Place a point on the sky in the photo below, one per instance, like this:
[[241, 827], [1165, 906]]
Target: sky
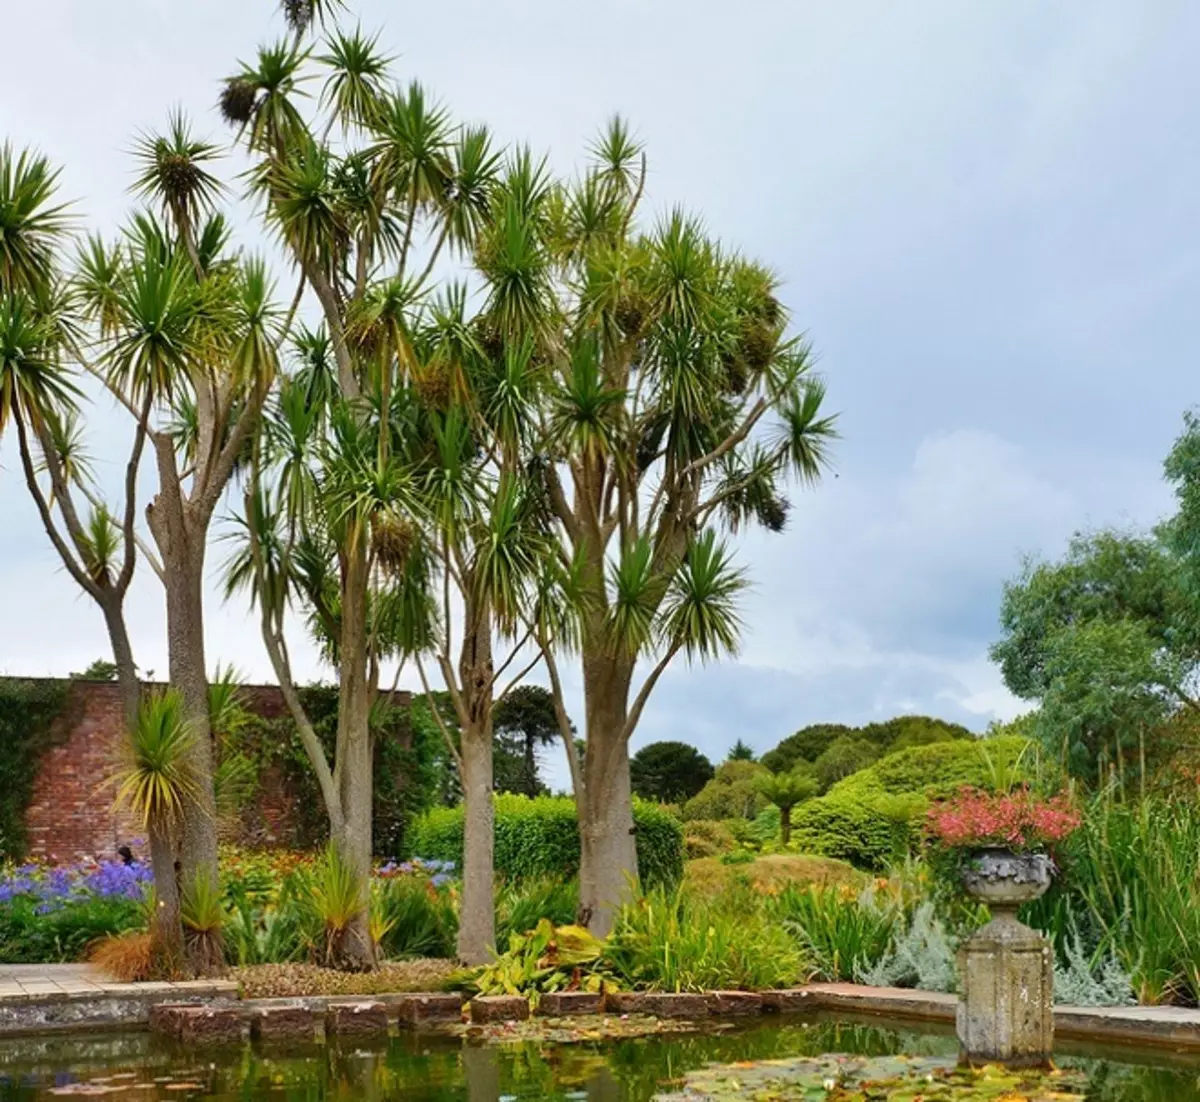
[[985, 220]]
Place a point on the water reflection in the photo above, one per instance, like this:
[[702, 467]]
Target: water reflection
[[413, 1068]]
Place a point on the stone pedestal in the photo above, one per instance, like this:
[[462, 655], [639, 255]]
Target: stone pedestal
[[1006, 1006]]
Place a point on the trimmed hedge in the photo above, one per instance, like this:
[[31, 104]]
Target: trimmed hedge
[[872, 817], [540, 837]]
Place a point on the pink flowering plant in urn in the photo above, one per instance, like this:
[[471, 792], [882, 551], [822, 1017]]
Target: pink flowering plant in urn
[[1004, 843]]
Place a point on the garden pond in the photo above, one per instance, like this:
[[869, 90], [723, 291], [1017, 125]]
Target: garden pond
[[777, 1061]]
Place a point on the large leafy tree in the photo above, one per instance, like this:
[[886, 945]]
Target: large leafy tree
[[676, 408], [178, 329], [670, 772], [390, 501], [1104, 640]]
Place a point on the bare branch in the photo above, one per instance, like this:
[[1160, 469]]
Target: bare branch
[[437, 715], [635, 713]]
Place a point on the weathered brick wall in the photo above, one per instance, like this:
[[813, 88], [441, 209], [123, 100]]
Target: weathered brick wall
[[71, 814]]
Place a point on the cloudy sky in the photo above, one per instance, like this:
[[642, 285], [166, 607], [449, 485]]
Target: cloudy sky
[[985, 217]]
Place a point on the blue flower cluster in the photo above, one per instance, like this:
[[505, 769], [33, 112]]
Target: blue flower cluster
[[55, 888], [440, 873]]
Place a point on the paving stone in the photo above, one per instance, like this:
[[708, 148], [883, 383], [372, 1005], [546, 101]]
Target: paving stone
[[730, 1004], [421, 1007], [658, 1004], [561, 1004], [788, 1000], [276, 1023], [356, 1019], [499, 1008]]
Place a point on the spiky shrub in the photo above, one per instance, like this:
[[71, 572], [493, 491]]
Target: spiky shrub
[[339, 900], [843, 931], [413, 918], [202, 910], [521, 905], [154, 780], [677, 941]]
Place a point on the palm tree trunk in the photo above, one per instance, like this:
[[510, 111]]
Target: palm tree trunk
[[197, 854], [477, 926], [355, 767], [608, 866]]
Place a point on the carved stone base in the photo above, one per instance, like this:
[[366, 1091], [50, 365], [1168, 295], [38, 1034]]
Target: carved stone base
[[1006, 1009]]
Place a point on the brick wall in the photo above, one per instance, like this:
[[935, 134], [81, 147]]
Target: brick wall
[[71, 814]]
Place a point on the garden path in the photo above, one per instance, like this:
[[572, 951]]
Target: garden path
[[45, 979]]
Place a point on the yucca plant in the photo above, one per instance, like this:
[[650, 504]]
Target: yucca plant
[[202, 909], [340, 900], [155, 783]]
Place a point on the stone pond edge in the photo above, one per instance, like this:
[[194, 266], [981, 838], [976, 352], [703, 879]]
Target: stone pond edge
[[207, 1004]]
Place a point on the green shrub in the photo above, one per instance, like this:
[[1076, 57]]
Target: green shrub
[[678, 941], [844, 932], [30, 934], [850, 830], [707, 838], [540, 837], [417, 919], [809, 743], [937, 769], [731, 794], [522, 904]]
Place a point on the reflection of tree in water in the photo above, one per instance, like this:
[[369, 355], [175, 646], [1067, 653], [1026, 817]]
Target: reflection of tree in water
[[425, 1068]]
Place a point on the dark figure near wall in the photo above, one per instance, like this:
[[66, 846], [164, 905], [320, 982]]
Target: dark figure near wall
[[126, 855]]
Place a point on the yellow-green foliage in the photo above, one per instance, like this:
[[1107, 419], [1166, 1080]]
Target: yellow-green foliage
[[709, 876], [707, 838], [731, 794], [939, 769]]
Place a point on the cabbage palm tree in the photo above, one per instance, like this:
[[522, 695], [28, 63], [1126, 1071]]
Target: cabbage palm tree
[[156, 784], [676, 410], [398, 492]]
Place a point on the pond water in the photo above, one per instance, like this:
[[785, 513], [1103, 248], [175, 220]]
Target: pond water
[[418, 1068]]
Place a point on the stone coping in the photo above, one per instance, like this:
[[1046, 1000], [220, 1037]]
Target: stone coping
[[1173, 1027], [124, 1006]]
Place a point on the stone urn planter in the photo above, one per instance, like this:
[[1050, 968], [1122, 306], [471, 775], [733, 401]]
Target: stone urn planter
[[1006, 970], [1005, 880]]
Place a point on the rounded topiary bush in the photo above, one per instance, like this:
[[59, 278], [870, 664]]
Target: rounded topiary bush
[[939, 769], [850, 831], [540, 837]]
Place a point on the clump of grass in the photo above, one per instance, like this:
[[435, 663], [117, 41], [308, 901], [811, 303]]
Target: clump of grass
[[842, 930], [676, 941], [127, 958]]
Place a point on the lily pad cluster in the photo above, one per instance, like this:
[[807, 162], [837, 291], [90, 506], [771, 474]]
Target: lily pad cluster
[[875, 1079]]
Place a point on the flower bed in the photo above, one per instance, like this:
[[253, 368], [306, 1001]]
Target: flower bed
[[50, 914]]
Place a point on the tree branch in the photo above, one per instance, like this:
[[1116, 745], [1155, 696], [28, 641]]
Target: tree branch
[[437, 715], [635, 713]]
